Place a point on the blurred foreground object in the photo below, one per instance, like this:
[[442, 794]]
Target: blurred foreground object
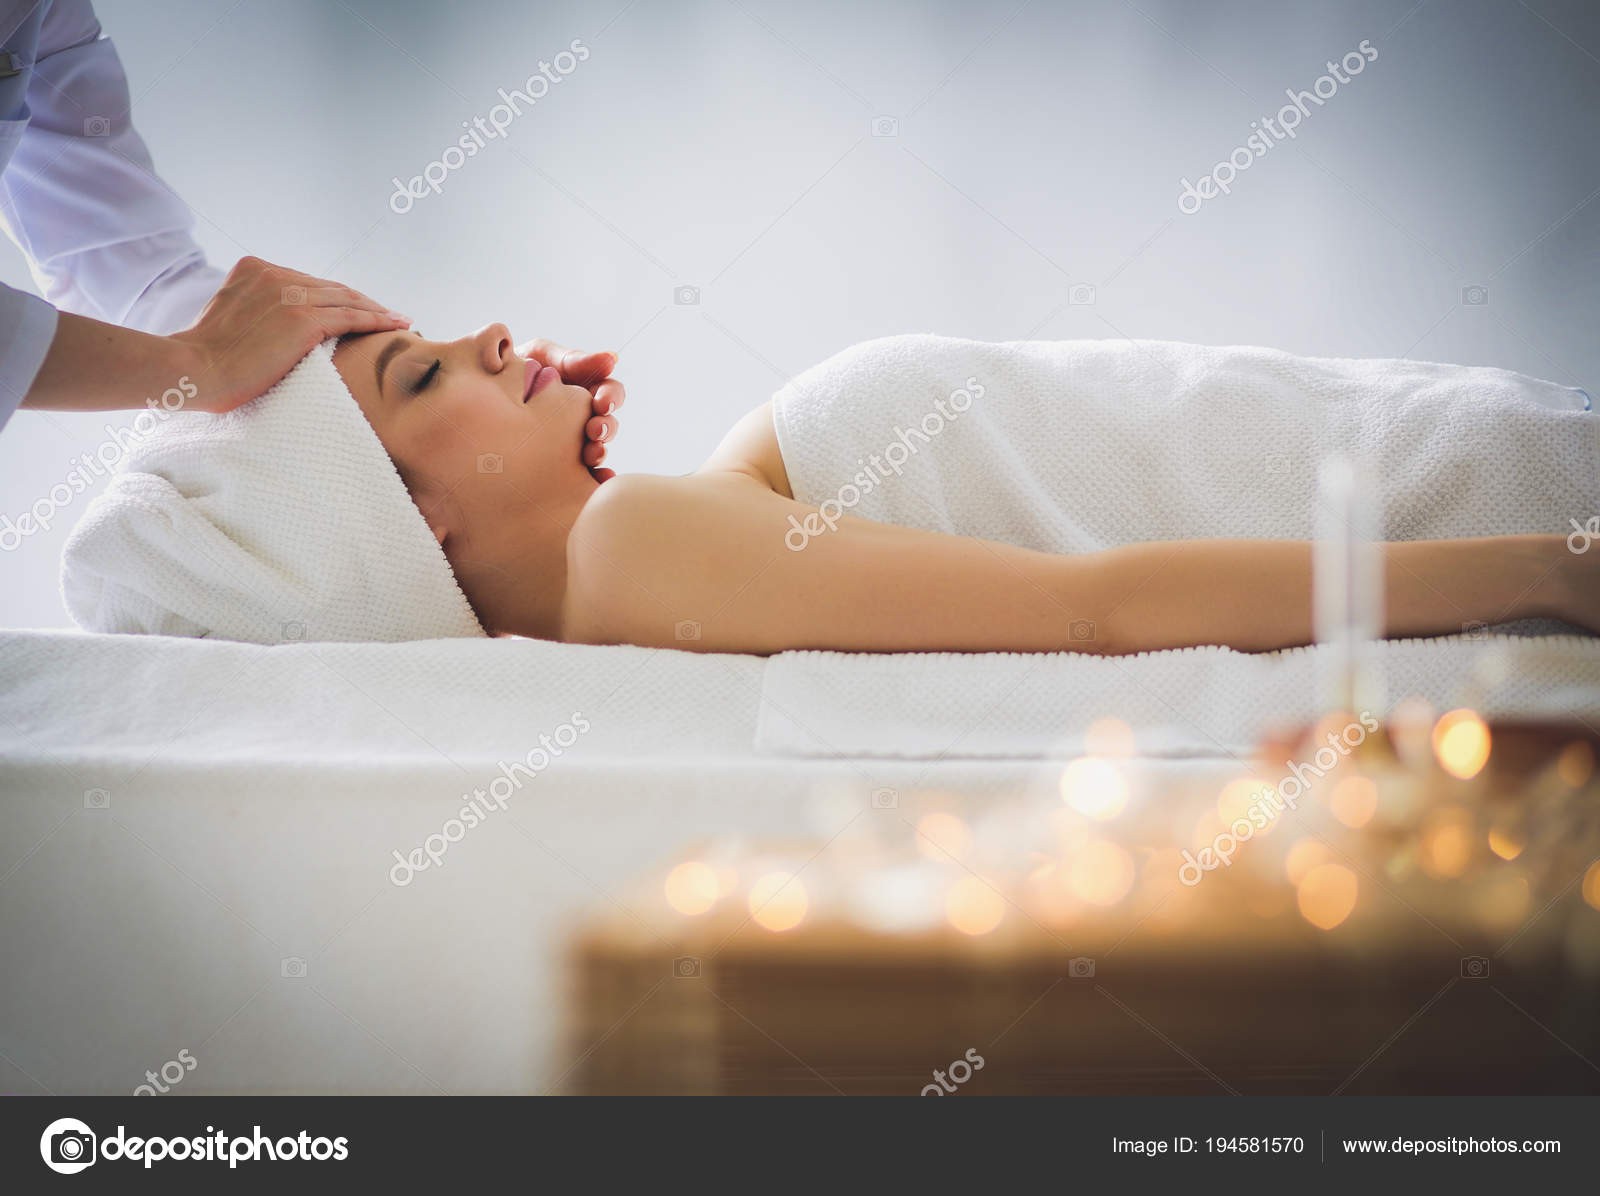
[[1424, 917]]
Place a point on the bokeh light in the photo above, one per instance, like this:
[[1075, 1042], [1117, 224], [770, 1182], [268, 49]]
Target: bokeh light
[[692, 887], [973, 906], [1461, 743], [1101, 873], [1327, 894], [1575, 765], [1094, 787], [1237, 798], [1303, 856], [1447, 843], [942, 837], [1506, 842], [1354, 800], [778, 901], [1591, 885]]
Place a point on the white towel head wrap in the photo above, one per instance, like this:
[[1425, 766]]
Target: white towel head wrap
[[282, 520]]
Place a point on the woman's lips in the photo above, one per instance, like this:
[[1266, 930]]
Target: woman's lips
[[537, 377]]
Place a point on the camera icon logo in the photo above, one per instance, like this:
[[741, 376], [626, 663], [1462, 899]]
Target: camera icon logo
[[292, 968], [1474, 967], [1080, 967], [491, 463], [96, 799], [67, 1146], [686, 967], [1276, 465], [293, 296], [886, 799], [293, 631], [1082, 294], [686, 296], [1475, 631], [1473, 295], [1081, 629], [686, 629], [886, 126], [96, 126]]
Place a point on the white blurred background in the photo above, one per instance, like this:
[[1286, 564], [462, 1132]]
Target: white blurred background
[[729, 146]]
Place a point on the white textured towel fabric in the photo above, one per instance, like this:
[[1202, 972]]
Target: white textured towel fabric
[[1190, 702], [1074, 446], [283, 520], [1077, 446]]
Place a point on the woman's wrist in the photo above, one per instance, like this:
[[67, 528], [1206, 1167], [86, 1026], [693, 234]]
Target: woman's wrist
[[1541, 566]]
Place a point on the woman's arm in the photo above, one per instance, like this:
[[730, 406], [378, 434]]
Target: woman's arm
[[707, 562]]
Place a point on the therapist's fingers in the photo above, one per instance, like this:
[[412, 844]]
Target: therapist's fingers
[[579, 369], [332, 295], [602, 429], [262, 320], [593, 454], [609, 396], [343, 321]]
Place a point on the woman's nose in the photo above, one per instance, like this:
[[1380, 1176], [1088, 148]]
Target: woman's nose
[[494, 346]]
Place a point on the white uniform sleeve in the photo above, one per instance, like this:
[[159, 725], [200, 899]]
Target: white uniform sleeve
[[27, 326], [104, 235]]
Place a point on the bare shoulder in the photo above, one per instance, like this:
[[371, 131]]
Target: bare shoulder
[[751, 448], [642, 540]]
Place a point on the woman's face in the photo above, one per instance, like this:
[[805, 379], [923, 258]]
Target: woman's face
[[479, 434]]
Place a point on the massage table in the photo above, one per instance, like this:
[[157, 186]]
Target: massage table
[[204, 846]]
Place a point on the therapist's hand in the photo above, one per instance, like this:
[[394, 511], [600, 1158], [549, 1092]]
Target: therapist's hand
[[592, 371], [262, 321]]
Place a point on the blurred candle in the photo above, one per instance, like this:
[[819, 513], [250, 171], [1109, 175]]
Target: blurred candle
[[1347, 589]]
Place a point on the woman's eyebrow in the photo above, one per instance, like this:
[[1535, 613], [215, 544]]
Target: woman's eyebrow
[[387, 354]]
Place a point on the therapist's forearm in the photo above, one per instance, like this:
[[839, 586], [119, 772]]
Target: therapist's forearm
[[92, 366], [262, 321]]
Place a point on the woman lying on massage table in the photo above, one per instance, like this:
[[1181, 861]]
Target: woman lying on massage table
[[1098, 496]]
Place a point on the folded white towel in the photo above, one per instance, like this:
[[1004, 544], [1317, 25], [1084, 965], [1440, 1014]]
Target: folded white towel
[[282, 520], [1074, 446], [1185, 702]]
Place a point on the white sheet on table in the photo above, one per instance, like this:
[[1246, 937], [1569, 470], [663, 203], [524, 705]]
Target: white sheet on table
[[1192, 702]]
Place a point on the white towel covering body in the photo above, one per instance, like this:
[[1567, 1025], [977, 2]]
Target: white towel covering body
[[1075, 446]]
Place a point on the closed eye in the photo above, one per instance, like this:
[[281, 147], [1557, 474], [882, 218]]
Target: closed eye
[[428, 377]]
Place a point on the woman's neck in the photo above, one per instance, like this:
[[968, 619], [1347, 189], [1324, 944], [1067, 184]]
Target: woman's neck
[[516, 576]]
